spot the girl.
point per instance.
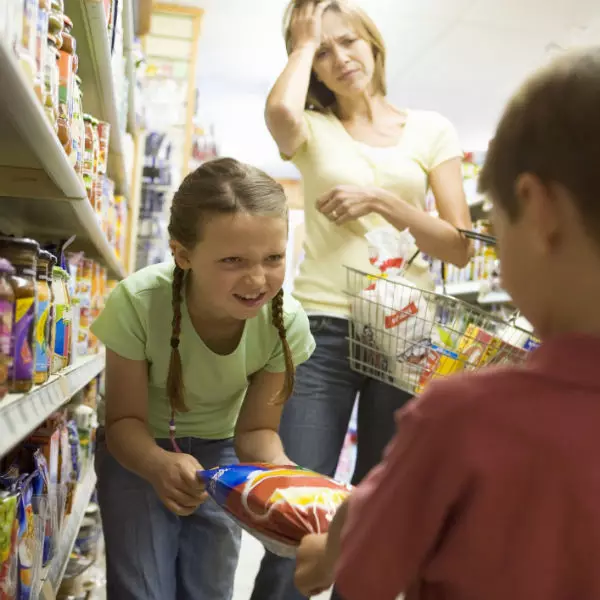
(200, 359)
(364, 163)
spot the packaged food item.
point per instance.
(27, 49)
(474, 345)
(56, 21)
(88, 159)
(41, 46)
(277, 505)
(394, 309)
(439, 362)
(9, 549)
(78, 126)
(65, 88)
(7, 307)
(44, 320)
(22, 253)
(103, 141)
(51, 81)
(44, 511)
(62, 320)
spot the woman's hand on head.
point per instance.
(175, 480)
(305, 27)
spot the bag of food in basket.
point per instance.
(398, 313)
(278, 505)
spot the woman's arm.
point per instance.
(437, 237)
(286, 102)
(256, 433)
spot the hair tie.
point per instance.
(174, 343)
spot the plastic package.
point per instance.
(278, 505)
(7, 304)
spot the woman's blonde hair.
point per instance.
(320, 97)
(221, 187)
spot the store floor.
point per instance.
(248, 566)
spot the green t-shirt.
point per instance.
(136, 324)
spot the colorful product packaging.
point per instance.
(278, 505)
(9, 534)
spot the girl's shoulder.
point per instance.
(151, 278)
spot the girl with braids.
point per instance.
(200, 360)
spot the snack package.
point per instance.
(27, 539)
(9, 549)
(395, 310)
(277, 505)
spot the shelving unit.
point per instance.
(42, 196)
(99, 98)
(20, 414)
(58, 566)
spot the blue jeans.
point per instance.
(314, 424)
(152, 554)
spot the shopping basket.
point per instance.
(406, 336)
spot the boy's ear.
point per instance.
(180, 254)
(539, 210)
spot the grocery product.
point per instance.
(52, 81)
(66, 68)
(44, 318)
(7, 303)
(278, 505)
(22, 253)
(103, 140)
(62, 320)
(9, 531)
(41, 45)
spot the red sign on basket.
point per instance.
(402, 315)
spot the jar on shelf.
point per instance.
(103, 139)
(88, 158)
(62, 320)
(96, 178)
(7, 309)
(65, 87)
(51, 80)
(78, 127)
(27, 44)
(22, 254)
(56, 21)
(41, 47)
(42, 330)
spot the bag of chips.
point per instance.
(278, 505)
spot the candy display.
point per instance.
(278, 505)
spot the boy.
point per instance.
(491, 489)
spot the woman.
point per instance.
(364, 163)
(200, 358)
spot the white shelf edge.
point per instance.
(468, 288)
(128, 35)
(20, 414)
(83, 493)
(498, 297)
(96, 31)
(19, 101)
(87, 217)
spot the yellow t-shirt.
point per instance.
(331, 157)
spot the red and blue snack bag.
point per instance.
(278, 505)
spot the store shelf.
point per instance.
(468, 288)
(41, 195)
(128, 34)
(497, 297)
(33, 163)
(99, 99)
(20, 414)
(84, 491)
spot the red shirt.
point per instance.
(489, 491)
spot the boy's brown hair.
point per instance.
(551, 129)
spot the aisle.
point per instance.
(249, 561)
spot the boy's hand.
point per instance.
(314, 573)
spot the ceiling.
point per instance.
(460, 57)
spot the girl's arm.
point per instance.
(127, 434)
(173, 475)
(256, 433)
(437, 237)
(285, 104)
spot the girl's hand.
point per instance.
(305, 28)
(175, 480)
(314, 574)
